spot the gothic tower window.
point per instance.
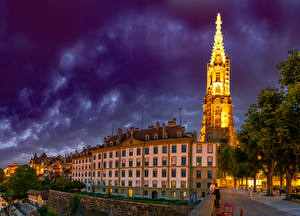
(218, 116)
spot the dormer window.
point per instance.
(147, 137)
(156, 136)
(165, 136)
(179, 134)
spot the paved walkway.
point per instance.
(288, 207)
(250, 207)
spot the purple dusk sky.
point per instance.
(70, 68)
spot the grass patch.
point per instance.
(136, 199)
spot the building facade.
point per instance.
(217, 123)
(157, 162)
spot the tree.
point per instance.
(2, 177)
(249, 143)
(65, 185)
(289, 117)
(22, 180)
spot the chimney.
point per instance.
(157, 124)
(137, 129)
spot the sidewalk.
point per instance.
(250, 207)
(290, 208)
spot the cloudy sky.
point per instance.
(70, 68)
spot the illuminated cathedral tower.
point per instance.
(217, 123)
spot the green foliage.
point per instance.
(43, 210)
(23, 179)
(65, 185)
(2, 177)
(290, 69)
(75, 203)
(51, 212)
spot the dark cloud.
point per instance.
(72, 69)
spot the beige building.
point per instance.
(3, 202)
(158, 162)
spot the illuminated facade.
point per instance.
(10, 169)
(217, 123)
(157, 162)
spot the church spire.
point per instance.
(218, 49)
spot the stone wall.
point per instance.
(61, 203)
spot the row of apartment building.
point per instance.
(158, 162)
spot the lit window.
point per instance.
(173, 160)
(183, 184)
(154, 183)
(164, 184)
(199, 161)
(199, 148)
(173, 184)
(209, 149)
(174, 149)
(209, 161)
(164, 149)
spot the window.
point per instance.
(138, 162)
(173, 160)
(131, 152)
(123, 183)
(174, 149)
(117, 154)
(137, 183)
(123, 153)
(199, 161)
(209, 174)
(146, 151)
(209, 161)
(146, 183)
(146, 161)
(110, 164)
(154, 183)
(199, 148)
(130, 162)
(183, 172)
(123, 163)
(155, 150)
(146, 173)
(116, 173)
(164, 173)
(99, 165)
(110, 173)
(94, 174)
(99, 156)
(198, 173)
(179, 134)
(155, 136)
(138, 173)
(163, 194)
(99, 174)
(183, 148)
(130, 173)
(173, 184)
(154, 173)
(104, 164)
(183, 184)
(117, 163)
(198, 184)
(94, 165)
(116, 184)
(164, 161)
(183, 160)
(104, 174)
(145, 193)
(103, 155)
(138, 151)
(94, 157)
(123, 173)
(164, 149)
(165, 136)
(155, 161)
(209, 149)
(173, 172)
(110, 154)
(164, 184)
(147, 137)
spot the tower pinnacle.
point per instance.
(218, 48)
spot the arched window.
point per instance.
(218, 116)
(173, 160)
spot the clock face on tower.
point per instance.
(217, 123)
